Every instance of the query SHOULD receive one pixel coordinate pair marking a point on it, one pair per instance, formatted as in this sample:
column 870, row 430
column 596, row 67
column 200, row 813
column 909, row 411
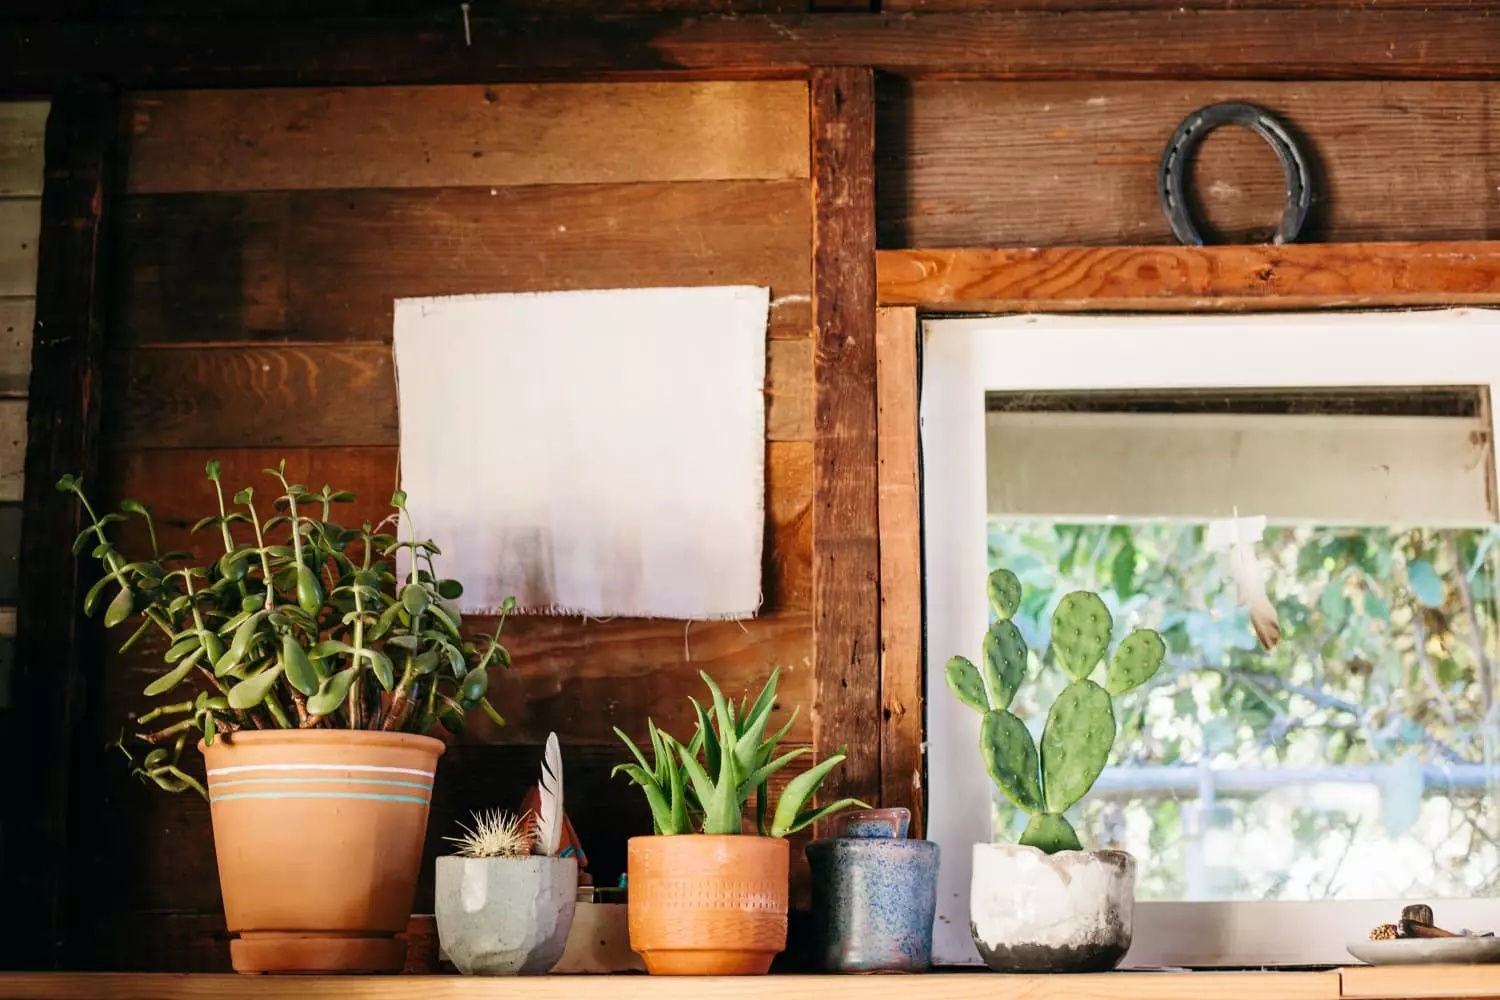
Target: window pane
column 1353, row 761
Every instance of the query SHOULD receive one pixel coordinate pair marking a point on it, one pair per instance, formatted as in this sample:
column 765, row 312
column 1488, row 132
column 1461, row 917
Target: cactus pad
column 1051, row 833
column 1081, row 629
column 1005, row 594
column 1004, row 663
column 964, row 681
column 1076, row 742
column 1136, row 661
column 1011, row 758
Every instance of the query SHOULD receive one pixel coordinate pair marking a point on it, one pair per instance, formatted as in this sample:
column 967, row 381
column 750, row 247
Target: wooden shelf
column 1174, row 278
column 1396, row 983
column 1413, row 981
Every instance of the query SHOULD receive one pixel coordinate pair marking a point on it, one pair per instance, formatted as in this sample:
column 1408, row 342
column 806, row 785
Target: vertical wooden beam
column 46, row 728
column 846, row 554
column 901, row 681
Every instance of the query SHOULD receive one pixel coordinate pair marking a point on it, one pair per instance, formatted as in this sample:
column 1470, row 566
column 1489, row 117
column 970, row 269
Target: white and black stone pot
column 1064, row 912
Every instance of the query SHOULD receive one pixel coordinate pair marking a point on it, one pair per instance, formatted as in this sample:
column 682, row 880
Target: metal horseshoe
column 1176, row 158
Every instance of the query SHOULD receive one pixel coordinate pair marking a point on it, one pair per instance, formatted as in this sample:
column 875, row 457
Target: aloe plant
column 299, row 623
column 709, row 795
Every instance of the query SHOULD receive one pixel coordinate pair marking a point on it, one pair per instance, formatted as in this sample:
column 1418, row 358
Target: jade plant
column 300, row 623
column 708, row 795
column 1080, row 726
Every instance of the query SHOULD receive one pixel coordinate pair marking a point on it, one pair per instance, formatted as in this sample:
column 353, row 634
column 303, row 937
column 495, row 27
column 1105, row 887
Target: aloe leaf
column 807, row 819
column 748, row 744
column 770, row 745
column 706, row 736
column 702, row 786
column 761, row 774
column 722, row 810
column 677, row 799
column 798, row 791
column 634, row 750
column 661, row 811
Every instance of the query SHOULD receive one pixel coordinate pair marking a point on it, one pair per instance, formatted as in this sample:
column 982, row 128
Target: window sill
column 1393, row 983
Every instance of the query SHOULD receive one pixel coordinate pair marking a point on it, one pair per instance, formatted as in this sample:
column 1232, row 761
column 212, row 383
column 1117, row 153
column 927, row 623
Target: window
column 1279, row 804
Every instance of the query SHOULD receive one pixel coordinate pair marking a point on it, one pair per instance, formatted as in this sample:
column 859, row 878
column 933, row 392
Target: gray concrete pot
column 505, row 916
column 1064, row 912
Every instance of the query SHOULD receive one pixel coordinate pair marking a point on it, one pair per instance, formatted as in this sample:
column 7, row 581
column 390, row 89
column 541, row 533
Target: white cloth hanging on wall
column 594, row 452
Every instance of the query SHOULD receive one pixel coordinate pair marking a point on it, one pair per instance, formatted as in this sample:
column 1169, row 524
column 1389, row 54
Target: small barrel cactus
column 1080, row 728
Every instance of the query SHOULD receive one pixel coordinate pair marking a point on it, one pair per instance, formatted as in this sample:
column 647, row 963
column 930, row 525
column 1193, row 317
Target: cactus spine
column 1080, row 727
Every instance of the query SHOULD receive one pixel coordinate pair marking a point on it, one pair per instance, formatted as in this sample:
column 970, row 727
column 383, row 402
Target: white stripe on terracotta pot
column 241, row 768
column 385, row 782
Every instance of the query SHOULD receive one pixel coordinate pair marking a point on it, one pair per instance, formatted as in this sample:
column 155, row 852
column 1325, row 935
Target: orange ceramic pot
column 707, row 906
column 319, row 837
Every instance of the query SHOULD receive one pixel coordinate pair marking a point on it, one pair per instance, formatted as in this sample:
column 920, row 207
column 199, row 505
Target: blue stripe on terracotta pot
column 374, row 796
column 381, row 781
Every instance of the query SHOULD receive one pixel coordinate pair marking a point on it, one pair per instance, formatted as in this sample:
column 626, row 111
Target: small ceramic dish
column 1428, row 951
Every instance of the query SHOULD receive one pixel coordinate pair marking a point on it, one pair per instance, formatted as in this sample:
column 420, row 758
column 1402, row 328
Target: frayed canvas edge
column 562, row 611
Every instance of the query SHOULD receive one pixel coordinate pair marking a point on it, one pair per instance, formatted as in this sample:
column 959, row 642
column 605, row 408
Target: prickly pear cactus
column 1011, row 759
column 1081, row 629
column 1004, row 663
column 1136, row 661
column 1051, row 833
column 964, row 681
column 1080, row 727
column 1005, row 594
column 1076, row 742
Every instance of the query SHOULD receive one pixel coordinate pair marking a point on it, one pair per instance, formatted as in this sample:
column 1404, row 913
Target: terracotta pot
column 708, row 906
column 319, row 836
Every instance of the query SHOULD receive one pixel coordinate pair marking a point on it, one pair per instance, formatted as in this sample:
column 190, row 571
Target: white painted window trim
column 966, row 358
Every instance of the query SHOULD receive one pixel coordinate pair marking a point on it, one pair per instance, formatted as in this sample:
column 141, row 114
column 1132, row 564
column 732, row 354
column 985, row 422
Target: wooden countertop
column 1392, row 983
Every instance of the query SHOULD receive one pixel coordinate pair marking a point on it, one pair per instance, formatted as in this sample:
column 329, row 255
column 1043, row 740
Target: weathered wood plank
column 997, row 164
column 20, row 222
column 56, row 661
column 416, row 137
column 901, row 653
column 22, row 127
column 12, row 448
column 1317, row 42
column 10, row 553
column 17, row 316
column 285, row 395
column 846, row 555
column 327, row 265
column 1067, row 279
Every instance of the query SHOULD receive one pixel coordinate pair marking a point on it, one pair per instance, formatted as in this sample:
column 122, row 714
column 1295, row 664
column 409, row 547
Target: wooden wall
column 259, row 240
column 22, row 124
column 979, row 163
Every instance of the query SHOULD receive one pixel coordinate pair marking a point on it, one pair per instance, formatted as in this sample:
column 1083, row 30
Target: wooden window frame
column 917, row 284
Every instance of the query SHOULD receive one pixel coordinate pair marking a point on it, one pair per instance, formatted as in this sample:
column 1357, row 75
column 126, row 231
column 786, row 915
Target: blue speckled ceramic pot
column 874, row 897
